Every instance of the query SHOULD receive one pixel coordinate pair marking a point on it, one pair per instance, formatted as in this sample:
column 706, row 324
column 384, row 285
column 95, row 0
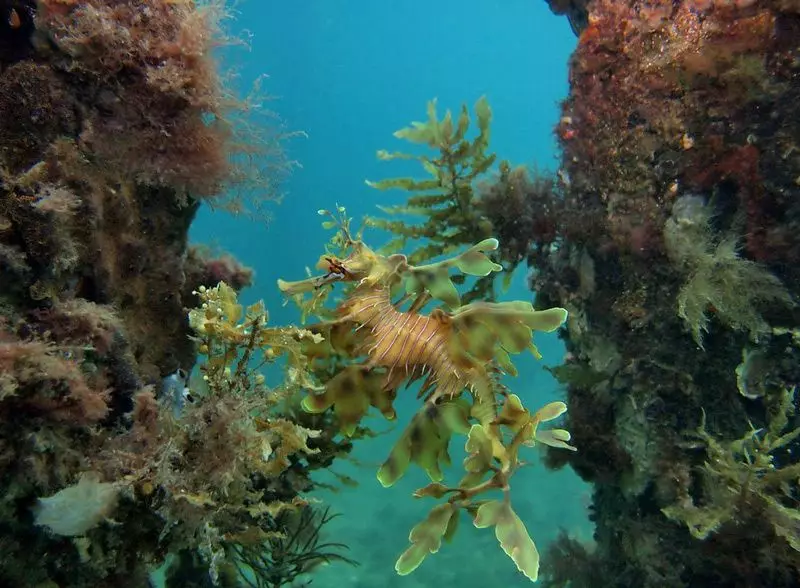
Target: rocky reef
column 677, row 257
column 116, row 127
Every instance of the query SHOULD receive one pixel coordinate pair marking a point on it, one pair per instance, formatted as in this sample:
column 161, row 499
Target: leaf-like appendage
column 435, row 279
column 433, row 490
column 550, row 411
column 489, row 331
column 442, row 288
column 553, row 437
column 350, row 392
column 426, row 538
column 425, row 441
column 474, row 260
column 558, row 438
column 513, row 415
column 511, row 534
column 512, row 323
column 504, row 361
column 478, row 340
column 298, row 287
column 436, row 282
column 479, row 447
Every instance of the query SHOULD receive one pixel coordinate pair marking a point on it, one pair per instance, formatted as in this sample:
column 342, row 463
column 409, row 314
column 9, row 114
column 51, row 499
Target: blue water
column 349, row 73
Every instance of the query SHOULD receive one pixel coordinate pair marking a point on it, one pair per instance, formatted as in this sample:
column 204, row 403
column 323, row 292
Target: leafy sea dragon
column 460, row 351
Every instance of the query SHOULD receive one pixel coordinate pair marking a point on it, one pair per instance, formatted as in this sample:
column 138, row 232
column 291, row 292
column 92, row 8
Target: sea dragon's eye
column 336, row 272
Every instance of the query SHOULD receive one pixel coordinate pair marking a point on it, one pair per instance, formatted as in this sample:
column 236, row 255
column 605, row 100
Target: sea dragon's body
column 455, row 350
column 408, row 344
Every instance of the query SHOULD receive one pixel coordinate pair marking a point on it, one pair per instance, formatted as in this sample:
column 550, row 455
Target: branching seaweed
column 236, row 461
column 744, row 477
column 294, row 549
column 719, row 279
column 445, row 198
column 461, row 202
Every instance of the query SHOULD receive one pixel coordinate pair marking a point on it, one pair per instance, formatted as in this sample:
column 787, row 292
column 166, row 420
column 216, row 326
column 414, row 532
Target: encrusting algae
column 459, row 353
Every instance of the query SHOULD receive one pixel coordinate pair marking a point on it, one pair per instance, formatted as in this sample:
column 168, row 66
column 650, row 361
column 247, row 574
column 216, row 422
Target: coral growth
column 128, row 125
column 205, row 268
column 216, row 480
column 16, row 30
column 638, row 130
column 458, row 352
column 85, row 234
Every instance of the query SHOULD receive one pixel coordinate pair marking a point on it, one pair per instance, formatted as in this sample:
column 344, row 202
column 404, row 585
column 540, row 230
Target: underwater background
column 399, row 293
column 349, row 74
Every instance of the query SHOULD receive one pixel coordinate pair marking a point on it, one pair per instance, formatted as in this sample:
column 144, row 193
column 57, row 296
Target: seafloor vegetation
column 136, row 426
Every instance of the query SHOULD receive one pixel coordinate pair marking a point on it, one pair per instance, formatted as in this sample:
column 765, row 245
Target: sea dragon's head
column 362, row 265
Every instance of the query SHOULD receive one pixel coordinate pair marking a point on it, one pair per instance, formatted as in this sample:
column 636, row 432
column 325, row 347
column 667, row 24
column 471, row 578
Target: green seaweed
column 743, row 478
column 720, row 283
column 293, row 550
column 446, row 198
